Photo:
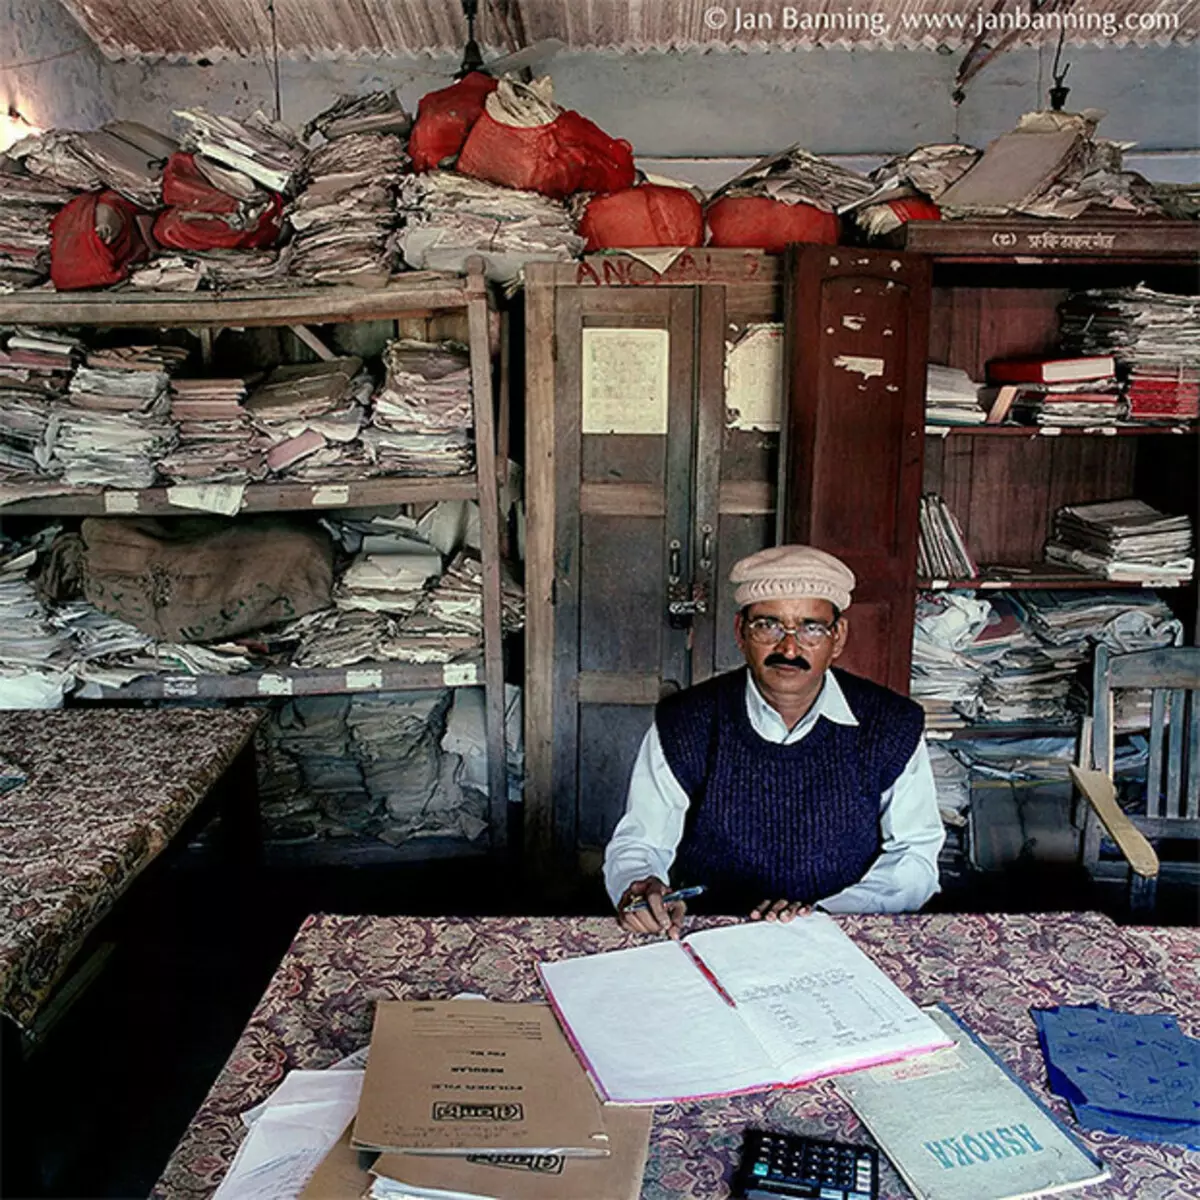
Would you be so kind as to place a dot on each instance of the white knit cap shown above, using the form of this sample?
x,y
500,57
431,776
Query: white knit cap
x,y
792,573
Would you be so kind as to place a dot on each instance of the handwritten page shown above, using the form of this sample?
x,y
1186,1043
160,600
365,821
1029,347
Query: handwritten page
x,y
651,1027
812,998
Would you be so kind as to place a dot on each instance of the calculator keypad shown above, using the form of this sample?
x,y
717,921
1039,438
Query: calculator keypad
x,y
787,1164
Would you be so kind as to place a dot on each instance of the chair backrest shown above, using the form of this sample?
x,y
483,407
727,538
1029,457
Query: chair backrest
x,y
1172,676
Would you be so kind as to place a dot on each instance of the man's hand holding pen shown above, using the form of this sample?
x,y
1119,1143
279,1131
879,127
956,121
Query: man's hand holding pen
x,y
647,908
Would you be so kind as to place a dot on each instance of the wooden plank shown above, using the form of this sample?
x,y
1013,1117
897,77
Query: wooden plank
x,y
1192,809
622,499
489,535
1098,789
1173,798
539,563
1158,713
710,265
258,497
707,467
747,497
954,432
313,342
619,687
1170,667
565,469
297,681
305,306
1032,240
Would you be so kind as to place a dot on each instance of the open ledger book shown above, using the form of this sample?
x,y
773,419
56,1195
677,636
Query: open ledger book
x,y
735,1009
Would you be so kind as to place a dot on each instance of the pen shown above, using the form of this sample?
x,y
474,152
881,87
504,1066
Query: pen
x,y
679,894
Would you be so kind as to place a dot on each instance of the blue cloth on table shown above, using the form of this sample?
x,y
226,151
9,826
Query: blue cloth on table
x,y
1137,1075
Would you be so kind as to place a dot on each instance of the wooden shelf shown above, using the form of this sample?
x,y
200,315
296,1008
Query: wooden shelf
x,y
1022,729
1034,240
1052,431
258,497
419,291
1034,577
297,681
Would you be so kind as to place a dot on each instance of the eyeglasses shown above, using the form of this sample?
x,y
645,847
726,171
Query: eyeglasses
x,y
767,631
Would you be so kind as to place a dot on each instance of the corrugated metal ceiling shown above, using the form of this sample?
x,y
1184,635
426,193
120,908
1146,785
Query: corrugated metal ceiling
x,y
191,29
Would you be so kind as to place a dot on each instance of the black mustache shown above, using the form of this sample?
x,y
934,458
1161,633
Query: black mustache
x,y
780,660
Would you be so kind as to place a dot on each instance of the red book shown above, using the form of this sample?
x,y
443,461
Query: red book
x,y
1051,370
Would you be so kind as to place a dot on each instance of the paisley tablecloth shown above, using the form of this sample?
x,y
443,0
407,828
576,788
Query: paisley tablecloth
x,y
990,969
107,789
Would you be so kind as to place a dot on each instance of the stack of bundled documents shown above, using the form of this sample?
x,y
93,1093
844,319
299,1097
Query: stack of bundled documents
x,y
27,206
232,269
390,579
1123,621
925,173
308,409
1133,1074
449,218
941,548
1032,685
1064,392
34,657
345,1132
54,156
267,151
346,215
109,653
373,112
945,679
337,638
35,370
217,442
1156,335
951,397
422,418
168,273
1123,540
116,423
795,176
129,158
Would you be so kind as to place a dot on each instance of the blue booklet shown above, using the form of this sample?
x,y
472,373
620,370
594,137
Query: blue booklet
x,y
959,1125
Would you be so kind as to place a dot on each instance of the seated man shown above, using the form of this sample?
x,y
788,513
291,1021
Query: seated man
x,y
785,784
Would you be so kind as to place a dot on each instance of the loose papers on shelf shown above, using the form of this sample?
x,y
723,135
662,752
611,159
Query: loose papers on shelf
x,y
1123,540
806,1002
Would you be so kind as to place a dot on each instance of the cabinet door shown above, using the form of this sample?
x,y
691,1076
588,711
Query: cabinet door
x,y
623,480
858,323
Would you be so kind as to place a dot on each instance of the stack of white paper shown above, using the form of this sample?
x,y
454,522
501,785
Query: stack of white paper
x,y
34,658
268,151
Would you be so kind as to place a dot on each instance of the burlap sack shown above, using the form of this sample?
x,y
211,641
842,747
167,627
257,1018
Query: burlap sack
x,y
201,579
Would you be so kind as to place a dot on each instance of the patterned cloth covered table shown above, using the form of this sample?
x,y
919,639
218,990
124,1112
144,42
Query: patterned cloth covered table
x,y
990,969
107,789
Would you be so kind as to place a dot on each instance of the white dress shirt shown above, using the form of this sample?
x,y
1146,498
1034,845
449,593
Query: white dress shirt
x,y
901,879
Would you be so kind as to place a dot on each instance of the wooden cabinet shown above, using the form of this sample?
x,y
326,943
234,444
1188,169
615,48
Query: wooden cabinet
x,y
654,405
996,291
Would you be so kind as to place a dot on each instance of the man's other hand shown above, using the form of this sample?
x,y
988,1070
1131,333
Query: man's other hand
x,y
780,910
657,916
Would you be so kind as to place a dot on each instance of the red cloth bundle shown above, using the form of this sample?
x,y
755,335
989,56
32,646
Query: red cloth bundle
x,y
758,222
184,187
649,215
194,229
569,154
94,240
445,118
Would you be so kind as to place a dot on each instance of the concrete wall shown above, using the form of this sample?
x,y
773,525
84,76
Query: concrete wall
x,y
71,87
735,105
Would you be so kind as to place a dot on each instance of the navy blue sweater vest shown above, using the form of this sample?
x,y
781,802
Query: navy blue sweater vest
x,y
782,822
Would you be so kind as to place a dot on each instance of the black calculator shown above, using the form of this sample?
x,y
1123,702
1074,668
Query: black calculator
x,y
787,1164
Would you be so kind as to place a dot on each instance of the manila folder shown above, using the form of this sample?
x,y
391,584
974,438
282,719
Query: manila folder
x,y
473,1076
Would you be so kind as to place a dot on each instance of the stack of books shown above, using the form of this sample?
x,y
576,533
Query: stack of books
x,y
1056,391
1125,541
1155,337
951,397
941,548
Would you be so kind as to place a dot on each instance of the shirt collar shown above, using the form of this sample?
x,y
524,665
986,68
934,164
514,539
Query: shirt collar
x,y
831,702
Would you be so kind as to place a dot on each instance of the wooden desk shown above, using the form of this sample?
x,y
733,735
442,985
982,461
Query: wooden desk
x,y
319,1005
107,791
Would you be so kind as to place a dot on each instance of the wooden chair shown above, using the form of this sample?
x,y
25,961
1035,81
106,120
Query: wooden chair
x,y
1170,807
